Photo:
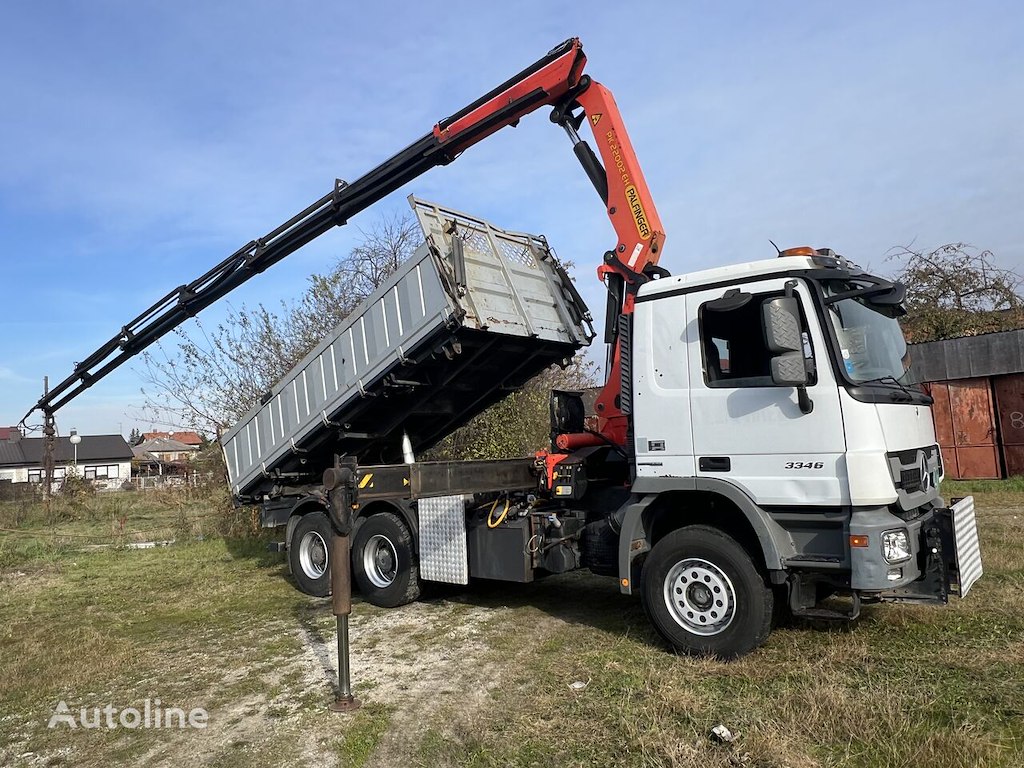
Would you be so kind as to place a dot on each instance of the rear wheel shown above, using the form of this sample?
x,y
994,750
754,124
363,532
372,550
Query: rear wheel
x,y
383,562
309,554
704,594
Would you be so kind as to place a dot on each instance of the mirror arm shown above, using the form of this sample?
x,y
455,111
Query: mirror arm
x,y
806,404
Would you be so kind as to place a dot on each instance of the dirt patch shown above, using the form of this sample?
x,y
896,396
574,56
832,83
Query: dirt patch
x,y
410,665
414,663
419,661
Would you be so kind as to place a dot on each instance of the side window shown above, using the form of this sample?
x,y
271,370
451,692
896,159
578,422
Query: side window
x,y
733,344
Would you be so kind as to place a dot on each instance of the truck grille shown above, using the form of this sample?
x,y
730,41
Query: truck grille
x,y
915,474
910,479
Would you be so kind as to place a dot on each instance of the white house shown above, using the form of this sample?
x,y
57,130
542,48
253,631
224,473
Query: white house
x,y
106,460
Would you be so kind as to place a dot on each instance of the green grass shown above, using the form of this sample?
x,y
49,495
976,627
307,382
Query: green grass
x,y
215,623
1015,484
366,728
31,531
1008,487
207,624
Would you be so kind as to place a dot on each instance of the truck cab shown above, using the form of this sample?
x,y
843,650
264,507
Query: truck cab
x,y
771,402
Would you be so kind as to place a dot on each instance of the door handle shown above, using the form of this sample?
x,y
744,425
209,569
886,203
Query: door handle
x,y
715,464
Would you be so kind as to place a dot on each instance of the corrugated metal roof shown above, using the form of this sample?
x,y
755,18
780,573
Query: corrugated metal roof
x,y
989,354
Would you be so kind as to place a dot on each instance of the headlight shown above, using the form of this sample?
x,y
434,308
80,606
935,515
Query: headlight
x,y
896,546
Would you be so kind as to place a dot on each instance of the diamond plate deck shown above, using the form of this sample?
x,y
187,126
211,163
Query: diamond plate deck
x,y
443,553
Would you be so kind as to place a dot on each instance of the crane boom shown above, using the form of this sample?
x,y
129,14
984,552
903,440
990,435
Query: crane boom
x,y
555,80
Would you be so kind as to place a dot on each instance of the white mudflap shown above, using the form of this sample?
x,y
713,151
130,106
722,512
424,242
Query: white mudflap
x,y
968,550
443,553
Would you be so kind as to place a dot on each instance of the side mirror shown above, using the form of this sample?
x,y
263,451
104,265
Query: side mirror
x,y
788,370
781,320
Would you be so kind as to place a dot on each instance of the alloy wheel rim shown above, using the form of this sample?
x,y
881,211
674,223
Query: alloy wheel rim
x,y
313,555
380,561
700,596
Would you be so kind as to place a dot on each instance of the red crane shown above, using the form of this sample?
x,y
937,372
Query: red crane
x,y
556,80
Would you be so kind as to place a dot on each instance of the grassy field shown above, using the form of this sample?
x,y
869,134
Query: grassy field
x,y
480,677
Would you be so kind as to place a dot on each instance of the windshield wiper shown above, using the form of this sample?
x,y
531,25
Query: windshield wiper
x,y
891,380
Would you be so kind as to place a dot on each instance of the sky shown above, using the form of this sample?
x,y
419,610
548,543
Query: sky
x,y
141,143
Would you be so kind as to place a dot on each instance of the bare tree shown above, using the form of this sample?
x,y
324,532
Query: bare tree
x,y
212,376
956,290
518,425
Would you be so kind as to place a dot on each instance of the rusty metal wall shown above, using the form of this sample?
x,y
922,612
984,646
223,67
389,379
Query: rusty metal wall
x,y
965,426
1009,392
943,415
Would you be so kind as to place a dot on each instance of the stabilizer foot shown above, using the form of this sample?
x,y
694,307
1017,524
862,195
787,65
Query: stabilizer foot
x,y
345,704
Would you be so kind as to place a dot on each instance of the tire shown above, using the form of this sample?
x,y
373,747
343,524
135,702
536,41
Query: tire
x,y
704,595
309,554
384,565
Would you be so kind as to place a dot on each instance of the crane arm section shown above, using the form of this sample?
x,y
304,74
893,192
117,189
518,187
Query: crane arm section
x,y
555,80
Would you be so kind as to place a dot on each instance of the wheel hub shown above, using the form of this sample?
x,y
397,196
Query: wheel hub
x,y
384,560
700,596
380,561
313,555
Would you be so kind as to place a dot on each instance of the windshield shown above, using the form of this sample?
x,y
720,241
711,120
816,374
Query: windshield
x,y
870,340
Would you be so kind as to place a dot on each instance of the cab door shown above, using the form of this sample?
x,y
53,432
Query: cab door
x,y
745,429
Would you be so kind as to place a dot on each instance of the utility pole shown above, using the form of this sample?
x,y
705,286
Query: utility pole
x,y
49,435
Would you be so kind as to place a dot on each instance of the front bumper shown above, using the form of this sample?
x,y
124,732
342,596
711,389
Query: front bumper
x,y
945,555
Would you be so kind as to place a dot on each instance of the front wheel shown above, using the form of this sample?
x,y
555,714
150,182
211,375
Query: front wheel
x,y
383,561
704,594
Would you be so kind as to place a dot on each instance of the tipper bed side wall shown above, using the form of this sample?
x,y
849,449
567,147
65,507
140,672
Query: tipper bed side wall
x,y
471,316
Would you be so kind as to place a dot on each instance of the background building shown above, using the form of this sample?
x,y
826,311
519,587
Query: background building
x,y
978,386
167,449
104,459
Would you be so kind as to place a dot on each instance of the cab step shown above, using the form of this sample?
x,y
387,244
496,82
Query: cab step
x,y
823,613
